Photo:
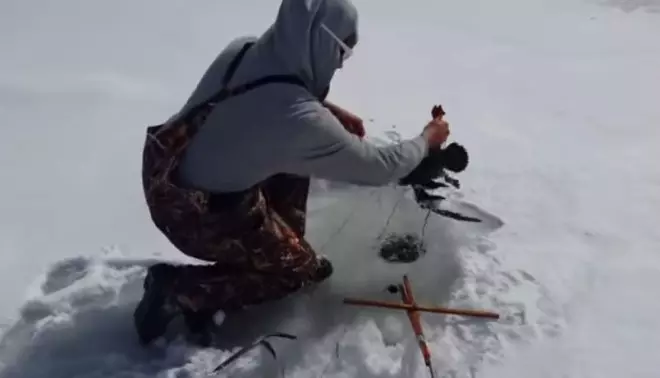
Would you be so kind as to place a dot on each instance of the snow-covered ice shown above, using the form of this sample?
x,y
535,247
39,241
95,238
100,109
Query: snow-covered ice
x,y
557,102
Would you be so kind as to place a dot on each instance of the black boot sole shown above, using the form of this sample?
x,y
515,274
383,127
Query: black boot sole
x,y
324,270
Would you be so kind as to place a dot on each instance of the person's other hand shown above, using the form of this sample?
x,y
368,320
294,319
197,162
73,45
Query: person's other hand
x,y
352,123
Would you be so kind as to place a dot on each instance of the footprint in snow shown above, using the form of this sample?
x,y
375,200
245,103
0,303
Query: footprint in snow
x,y
64,274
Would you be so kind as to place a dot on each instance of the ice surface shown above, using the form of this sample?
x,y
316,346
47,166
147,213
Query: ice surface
x,y
556,101
78,322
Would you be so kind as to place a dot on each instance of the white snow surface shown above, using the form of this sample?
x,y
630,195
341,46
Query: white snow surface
x,y
557,102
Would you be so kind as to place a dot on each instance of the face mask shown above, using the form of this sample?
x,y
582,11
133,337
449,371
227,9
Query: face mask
x,y
346,51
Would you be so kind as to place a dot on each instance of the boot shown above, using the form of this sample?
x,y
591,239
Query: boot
x,y
324,269
200,325
157,307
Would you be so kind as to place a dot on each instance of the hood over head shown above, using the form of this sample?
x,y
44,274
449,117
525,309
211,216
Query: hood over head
x,y
301,47
297,134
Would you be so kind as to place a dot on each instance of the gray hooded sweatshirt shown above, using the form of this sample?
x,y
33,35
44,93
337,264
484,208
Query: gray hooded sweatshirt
x,y
284,128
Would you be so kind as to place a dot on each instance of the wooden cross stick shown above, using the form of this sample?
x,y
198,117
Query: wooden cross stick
x,y
437,310
413,309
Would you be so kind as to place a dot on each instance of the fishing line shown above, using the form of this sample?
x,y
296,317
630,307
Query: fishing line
x,y
343,224
426,222
389,218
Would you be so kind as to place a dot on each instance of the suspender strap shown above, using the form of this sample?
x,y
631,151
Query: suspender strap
x,y
227,92
233,65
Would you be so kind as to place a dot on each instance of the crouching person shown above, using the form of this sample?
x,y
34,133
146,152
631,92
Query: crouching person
x,y
226,179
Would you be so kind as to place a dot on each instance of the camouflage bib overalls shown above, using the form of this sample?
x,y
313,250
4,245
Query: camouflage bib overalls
x,y
255,239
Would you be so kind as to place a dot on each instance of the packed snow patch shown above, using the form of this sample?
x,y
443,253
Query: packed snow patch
x,y
78,321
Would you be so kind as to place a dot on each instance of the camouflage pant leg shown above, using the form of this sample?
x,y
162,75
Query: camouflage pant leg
x,y
280,261
255,245
287,195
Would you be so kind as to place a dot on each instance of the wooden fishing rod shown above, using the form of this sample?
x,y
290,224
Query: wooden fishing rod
x,y
416,322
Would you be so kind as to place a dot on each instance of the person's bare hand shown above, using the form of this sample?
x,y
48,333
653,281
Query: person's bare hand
x,y
352,123
436,132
